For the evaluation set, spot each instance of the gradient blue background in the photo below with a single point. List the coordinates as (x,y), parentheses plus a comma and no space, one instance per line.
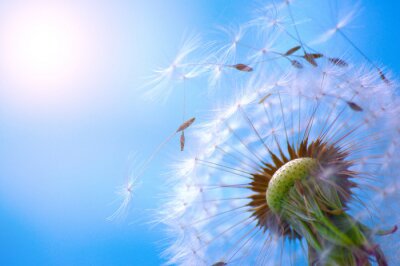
(58,171)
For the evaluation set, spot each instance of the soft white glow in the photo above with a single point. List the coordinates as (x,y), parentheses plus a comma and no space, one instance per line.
(42,44)
(46,50)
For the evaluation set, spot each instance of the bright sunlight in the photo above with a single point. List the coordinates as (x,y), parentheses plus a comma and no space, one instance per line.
(45,51)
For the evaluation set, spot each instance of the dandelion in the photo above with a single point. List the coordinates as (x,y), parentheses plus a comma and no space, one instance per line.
(289,173)
(299,168)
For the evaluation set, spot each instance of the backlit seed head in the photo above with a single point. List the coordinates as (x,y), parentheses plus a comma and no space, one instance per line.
(300,166)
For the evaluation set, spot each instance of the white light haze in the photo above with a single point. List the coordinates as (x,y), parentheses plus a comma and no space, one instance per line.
(46,50)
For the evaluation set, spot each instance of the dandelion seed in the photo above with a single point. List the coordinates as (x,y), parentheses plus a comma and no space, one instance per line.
(186,124)
(126,192)
(343,21)
(126,195)
(316,55)
(292,50)
(180,69)
(354,106)
(221,263)
(296,64)
(310,59)
(243,67)
(338,62)
(380,72)
(182,140)
(383,77)
(264,98)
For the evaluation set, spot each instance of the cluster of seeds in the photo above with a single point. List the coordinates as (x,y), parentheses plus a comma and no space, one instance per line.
(299,167)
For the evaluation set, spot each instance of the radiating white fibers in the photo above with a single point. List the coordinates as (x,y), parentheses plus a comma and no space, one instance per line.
(293,95)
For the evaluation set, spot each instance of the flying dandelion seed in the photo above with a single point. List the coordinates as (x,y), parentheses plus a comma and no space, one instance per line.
(134,180)
(125,192)
(299,168)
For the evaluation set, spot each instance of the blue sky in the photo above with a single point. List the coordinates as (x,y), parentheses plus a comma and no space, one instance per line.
(63,151)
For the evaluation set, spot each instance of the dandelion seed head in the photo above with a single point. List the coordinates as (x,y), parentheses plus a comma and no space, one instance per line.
(333,111)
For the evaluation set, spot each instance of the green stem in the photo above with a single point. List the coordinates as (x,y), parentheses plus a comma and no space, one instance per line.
(333,239)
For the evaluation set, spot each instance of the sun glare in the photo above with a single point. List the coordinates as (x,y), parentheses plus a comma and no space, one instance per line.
(42,44)
(44,48)
(45,51)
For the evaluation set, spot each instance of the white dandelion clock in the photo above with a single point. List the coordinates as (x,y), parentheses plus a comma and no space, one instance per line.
(300,168)
(269,188)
